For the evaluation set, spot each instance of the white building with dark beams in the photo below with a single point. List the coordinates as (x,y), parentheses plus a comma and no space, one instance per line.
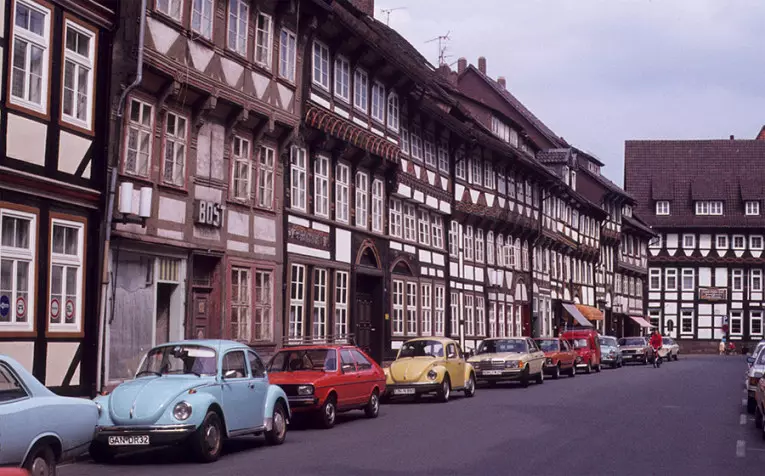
(704,201)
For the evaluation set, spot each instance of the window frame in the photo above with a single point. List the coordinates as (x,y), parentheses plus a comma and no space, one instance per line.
(378,205)
(298,178)
(685,244)
(737,317)
(360,94)
(410,232)
(752,245)
(287,54)
(297,303)
(29,255)
(342,192)
(755,280)
(393,105)
(743,241)
(725,241)
(321,177)
(688,273)
(260,48)
(234,302)
(168,13)
(266,172)
(423,227)
(395,218)
(175,139)
(342,71)
(662,207)
(245,163)
(670,273)
(686,314)
(80,61)
(378,90)
(320,303)
(361,219)
(737,274)
(79,261)
(263,307)
(240,4)
(340,305)
(140,128)
(752,208)
(437,231)
(209,33)
(755,316)
(44,43)
(322,66)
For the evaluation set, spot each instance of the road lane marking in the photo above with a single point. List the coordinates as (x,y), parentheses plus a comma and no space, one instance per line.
(742,419)
(740,448)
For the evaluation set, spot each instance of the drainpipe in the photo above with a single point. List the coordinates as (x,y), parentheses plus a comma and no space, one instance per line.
(110,201)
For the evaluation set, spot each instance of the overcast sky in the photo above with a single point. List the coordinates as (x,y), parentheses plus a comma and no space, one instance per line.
(599,72)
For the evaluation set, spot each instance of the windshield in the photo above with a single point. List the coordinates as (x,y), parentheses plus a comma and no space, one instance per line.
(667,341)
(579,343)
(632,341)
(607,342)
(548,345)
(179,359)
(422,348)
(294,360)
(502,345)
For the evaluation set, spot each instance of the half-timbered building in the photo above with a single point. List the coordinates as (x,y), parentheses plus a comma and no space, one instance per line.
(703,198)
(53,136)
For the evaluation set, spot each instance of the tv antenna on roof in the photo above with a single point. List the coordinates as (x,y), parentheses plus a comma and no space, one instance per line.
(388,11)
(441,47)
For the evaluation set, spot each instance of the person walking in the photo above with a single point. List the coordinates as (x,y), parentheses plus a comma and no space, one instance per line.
(721,347)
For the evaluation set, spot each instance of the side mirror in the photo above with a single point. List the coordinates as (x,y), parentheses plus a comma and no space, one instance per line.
(750,360)
(230,374)
(347,368)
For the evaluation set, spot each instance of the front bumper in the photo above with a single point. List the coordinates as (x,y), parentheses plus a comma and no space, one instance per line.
(409,389)
(159,435)
(634,357)
(497,375)
(304,403)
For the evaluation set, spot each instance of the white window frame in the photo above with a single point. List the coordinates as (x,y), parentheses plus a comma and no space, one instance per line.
(429,150)
(437,227)
(320,71)
(342,188)
(460,166)
(752,245)
(263,310)
(397,295)
(362,199)
(423,227)
(264,38)
(489,178)
(480,246)
(171,8)
(319,320)
(655,243)
(426,309)
(480,315)
(361,90)
(410,223)
(266,164)
(240,164)
(688,273)
(468,243)
(724,245)
(439,309)
(287,54)
(415,139)
(500,245)
(755,280)
(298,178)
(321,165)
(79,62)
(469,309)
(737,316)
(689,242)
(142,131)
(755,316)
(378,103)
(241,301)
(238,11)
(341,303)
(454,243)
(378,194)
(32,40)
(752,207)
(490,248)
(67,261)
(342,78)
(204,18)
(443,156)
(716,208)
(175,144)
(737,280)
(394,109)
(662,207)
(743,242)
(454,307)
(411,308)
(476,171)
(670,274)
(297,316)
(395,217)
(686,315)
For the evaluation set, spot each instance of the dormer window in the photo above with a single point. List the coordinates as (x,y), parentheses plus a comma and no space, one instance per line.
(752,208)
(593,167)
(573,180)
(662,207)
(709,208)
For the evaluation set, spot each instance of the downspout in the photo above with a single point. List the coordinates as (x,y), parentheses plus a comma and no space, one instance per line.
(110,201)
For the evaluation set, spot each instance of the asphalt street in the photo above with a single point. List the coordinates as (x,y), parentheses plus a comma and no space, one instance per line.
(684,418)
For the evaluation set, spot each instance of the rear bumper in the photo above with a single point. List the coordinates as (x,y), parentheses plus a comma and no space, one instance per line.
(158,435)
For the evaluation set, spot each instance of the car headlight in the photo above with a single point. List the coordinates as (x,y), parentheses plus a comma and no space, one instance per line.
(99,408)
(182,411)
(432,374)
(549,361)
(640,351)
(305,389)
(513,364)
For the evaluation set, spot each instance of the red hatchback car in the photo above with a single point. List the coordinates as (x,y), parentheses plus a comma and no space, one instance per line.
(326,379)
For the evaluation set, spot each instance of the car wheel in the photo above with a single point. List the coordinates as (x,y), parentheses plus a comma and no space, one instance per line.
(207,441)
(597,368)
(645,360)
(525,378)
(41,461)
(620,363)
(470,386)
(373,405)
(758,418)
(572,372)
(589,368)
(100,452)
(278,432)
(751,404)
(675,357)
(446,390)
(556,372)
(328,413)
(540,377)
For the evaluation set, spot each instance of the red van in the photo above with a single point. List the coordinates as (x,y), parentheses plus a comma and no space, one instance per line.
(587,346)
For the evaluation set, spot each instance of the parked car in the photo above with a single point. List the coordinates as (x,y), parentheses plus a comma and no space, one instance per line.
(671,347)
(197,392)
(509,358)
(759,391)
(37,427)
(315,383)
(560,357)
(753,375)
(610,351)
(587,346)
(430,365)
(636,349)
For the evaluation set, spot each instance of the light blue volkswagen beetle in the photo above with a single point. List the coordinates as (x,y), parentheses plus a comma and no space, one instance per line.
(37,427)
(197,392)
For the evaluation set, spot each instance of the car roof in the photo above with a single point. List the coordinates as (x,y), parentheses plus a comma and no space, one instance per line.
(443,340)
(221,345)
(317,347)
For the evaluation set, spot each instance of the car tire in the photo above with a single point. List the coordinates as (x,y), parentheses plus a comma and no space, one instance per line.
(328,413)
(278,432)
(540,379)
(572,372)
(556,372)
(207,441)
(470,387)
(101,453)
(445,391)
(41,460)
(758,418)
(597,368)
(620,363)
(751,405)
(525,378)
(675,357)
(589,368)
(645,360)
(372,408)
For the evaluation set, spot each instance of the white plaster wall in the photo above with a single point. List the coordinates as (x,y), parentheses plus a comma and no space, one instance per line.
(705,333)
(60,356)
(424,256)
(71,150)
(210,145)
(705,276)
(264,250)
(234,245)
(172,210)
(705,242)
(343,245)
(705,321)
(238,223)
(721,277)
(22,352)
(172,234)
(672,240)
(705,309)
(26,139)
(208,193)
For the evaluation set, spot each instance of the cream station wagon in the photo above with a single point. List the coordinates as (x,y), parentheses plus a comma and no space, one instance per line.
(509,358)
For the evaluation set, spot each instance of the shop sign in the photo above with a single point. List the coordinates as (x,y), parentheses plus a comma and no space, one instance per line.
(5,306)
(713,294)
(208,213)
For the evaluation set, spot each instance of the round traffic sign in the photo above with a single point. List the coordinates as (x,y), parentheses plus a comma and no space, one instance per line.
(69,309)
(55,308)
(21,307)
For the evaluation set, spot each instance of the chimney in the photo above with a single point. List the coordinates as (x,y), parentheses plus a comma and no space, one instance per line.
(482,64)
(366,6)
(761,135)
(502,82)
(732,137)
(461,65)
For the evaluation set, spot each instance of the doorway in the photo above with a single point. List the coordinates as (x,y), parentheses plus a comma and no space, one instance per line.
(368,315)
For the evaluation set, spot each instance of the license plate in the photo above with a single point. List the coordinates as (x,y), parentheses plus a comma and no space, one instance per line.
(137,440)
(403,391)
(492,372)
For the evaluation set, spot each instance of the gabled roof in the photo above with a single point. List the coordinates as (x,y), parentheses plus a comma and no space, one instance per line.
(683,171)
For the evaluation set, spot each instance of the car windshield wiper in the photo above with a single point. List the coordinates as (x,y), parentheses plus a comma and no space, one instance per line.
(148,372)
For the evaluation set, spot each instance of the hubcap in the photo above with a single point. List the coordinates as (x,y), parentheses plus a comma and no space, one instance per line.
(330,412)
(447,389)
(471,385)
(40,467)
(375,403)
(212,438)
(278,423)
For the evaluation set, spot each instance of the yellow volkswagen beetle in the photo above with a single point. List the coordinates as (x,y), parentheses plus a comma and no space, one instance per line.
(429,365)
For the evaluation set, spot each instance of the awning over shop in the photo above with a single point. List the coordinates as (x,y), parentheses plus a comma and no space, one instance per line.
(574,312)
(591,313)
(641,322)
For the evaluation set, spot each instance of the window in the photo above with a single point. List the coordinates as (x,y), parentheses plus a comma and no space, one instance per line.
(263,305)
(454,307)
(511,186)
(426,312)
(500,251)
(79,59)
(140,126)
(240,159)
(256,365)
(342,183)
(298,174)
(377,205)
(460,170)
(362,193)
(479,246)
(10,385)
(755,242)
(67,253)
(755,322)
(29,76)
(686,322)
(443,156)
(287,48)
(752,208)
(688,280)
(319,302)
(469,315)
(488,178)
(202,17)
(398,308)
(662,207)
(424,227)
(393,112)
(411,309)
(738,279)
(234,363)
(715,208)
(709,208)
(468,247)
(240,304)
(702,208)
(321,186)
(689,241)
(17,255)
(480,316)
(722,242)
(429,150)
(490,247)
(437,226)
(404,141)
(395,218)
(321,65)
(238,13)
(670,279)
(738,242)
(265,193)
(171,8)
(655,242)
(654,318)
(341,303)
(736,323)
(454,244)
(475,167)
(342,79)
(440,306)
(175,150)
(416,143)
(297,302)
(755,280)
(409,226)
(361,90)
(378,102)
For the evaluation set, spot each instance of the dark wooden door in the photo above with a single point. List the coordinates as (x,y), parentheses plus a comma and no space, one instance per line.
(363,316)
(200,315)
(526,320)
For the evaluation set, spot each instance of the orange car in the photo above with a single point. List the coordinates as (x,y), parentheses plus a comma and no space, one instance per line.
(560,357)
